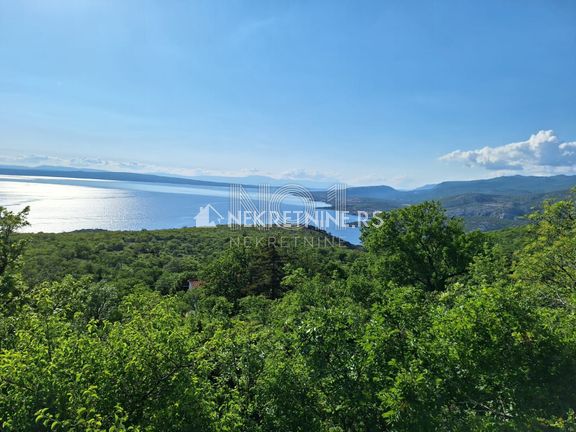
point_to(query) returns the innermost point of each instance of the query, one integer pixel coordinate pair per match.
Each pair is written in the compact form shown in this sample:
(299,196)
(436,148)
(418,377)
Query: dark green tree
(266,272)
(420,245)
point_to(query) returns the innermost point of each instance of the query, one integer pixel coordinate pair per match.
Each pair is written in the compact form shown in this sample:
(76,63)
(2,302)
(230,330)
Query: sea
(69,204)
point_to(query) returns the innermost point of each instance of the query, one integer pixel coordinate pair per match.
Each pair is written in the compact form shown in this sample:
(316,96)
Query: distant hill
(484,204)
(261,180)
(104,175)
(87,173)
(378,192)
(508,185)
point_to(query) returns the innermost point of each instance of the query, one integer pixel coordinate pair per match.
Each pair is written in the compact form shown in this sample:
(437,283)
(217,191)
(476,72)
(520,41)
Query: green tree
(11,249)
(243,271)
(548,262)
(419,245)
(266,268)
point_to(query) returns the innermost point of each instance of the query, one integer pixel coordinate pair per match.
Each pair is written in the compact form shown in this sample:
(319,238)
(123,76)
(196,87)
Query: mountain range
(484,204)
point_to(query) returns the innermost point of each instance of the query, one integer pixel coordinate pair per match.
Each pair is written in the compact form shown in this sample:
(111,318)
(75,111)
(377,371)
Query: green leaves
(419,245)
(11,249)
(431,329)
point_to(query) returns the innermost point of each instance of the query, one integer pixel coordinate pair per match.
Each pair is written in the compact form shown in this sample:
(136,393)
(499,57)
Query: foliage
(10,251)
(420,245)
(166,259)
(306,339)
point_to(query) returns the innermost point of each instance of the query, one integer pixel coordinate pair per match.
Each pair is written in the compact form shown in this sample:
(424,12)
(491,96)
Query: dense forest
(426,327)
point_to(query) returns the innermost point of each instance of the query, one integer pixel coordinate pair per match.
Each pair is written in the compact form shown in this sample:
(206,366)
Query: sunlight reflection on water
(59,205)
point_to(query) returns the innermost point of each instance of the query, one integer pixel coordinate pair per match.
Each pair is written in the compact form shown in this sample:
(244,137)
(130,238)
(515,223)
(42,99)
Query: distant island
(104,175)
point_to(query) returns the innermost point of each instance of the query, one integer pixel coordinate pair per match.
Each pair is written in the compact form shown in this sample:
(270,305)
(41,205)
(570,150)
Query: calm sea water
(62,204)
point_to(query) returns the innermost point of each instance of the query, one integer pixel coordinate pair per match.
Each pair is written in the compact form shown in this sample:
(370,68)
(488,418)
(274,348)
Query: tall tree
(10,251)
(420,245)
(10,247)
(548,261)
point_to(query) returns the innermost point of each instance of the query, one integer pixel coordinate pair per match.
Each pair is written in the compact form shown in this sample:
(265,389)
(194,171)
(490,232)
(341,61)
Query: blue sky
(396,92)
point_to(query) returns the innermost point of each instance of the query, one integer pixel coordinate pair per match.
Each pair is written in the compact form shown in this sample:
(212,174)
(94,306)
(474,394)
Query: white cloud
(36,160)
(304,174)
(542,153)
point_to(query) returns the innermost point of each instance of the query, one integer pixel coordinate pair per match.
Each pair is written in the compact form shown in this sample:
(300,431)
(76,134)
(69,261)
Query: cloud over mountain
(543,152)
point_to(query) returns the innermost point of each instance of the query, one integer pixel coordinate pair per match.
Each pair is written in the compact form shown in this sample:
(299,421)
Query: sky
(368,92)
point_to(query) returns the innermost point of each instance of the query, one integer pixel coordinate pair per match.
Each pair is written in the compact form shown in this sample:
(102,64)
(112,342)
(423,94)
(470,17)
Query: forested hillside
(428,327)
(165,259)
(487,205)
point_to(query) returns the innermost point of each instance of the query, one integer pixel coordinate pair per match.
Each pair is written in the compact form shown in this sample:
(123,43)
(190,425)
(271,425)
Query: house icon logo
(208,216)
